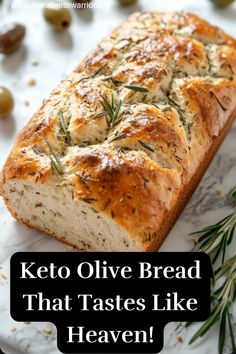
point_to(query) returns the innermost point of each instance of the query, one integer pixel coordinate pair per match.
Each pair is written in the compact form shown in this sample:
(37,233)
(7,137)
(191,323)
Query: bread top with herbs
(129,127)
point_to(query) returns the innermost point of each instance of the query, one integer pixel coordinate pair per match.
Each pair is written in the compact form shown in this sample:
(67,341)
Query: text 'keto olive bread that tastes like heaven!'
(112,156)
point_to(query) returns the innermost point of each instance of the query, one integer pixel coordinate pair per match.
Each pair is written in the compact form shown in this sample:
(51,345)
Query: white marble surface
(57,54)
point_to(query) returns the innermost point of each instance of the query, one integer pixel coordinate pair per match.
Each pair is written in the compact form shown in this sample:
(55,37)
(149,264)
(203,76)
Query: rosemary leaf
(106,105)
(207,325)
(116,112)
(83,180)
(223,318)
(146,146)
(214,239)
(57,164)
(100,115)
(64,126)
(112,109)
(136,88)
(233,194)
(118,137)
(223,299)
(84,78)
(62,121)
(229,316)
(106,204)
(99,70)
(89,200)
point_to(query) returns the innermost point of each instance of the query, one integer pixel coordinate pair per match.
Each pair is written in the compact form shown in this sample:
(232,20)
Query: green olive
(127,2)
(222,2)
(6,102)
(11,37)
(59,18)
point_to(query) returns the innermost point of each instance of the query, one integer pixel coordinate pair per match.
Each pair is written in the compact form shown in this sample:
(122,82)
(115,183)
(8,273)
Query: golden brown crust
(136,153)
(118,184)
(189,188)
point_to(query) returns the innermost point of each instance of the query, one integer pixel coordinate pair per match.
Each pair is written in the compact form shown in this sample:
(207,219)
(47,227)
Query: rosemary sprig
(214,239)
(136,88)
(56,164)
(64,126)
(112,109)
(222,298)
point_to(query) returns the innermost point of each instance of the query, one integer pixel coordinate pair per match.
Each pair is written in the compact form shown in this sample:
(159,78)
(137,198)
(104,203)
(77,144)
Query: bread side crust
(190,187)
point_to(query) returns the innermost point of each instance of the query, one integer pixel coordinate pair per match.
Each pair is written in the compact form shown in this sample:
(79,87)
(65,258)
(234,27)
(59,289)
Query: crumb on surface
(27,103)
(194,221)
(47,330)
(220,192)
(35,63)
(180,339)
(2,274)
(27,323)
(32,82)
(13,329)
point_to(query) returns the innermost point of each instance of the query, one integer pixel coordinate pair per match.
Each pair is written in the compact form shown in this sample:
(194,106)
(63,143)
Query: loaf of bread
(112,156)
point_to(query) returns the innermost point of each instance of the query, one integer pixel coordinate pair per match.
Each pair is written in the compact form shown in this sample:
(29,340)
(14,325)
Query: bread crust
(190,187)
(175,104)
